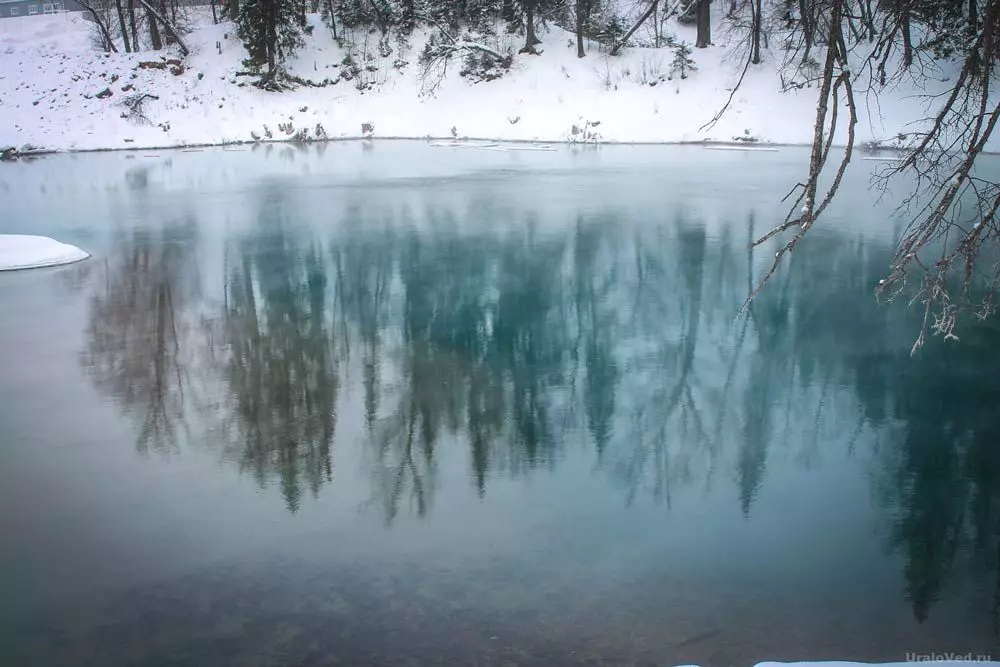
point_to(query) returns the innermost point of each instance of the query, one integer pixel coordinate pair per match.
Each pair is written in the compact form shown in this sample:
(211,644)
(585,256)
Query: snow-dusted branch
(105,34)
(642,19)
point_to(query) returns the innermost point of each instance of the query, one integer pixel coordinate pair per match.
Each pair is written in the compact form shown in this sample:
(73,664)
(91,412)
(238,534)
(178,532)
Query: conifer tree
(271,31)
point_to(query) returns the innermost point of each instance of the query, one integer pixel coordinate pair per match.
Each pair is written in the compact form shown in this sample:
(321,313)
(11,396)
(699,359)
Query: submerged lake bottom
(404,404)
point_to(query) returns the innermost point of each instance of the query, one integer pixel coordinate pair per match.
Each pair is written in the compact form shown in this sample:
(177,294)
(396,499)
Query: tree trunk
(121,24)
(161,10)
(131,21)
(215,17)
(171,29)
(907,39)
(109,44)
(807,28)
(581,18)
(507,11)
(757,11)
(333,18)
(642,19)
(530,40)
(271,43)
(154,31)
(868,16)
(656,25)
(704,37)
(232,9)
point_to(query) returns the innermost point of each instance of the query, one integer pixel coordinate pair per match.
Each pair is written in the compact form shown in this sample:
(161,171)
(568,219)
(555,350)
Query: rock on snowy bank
(29,252)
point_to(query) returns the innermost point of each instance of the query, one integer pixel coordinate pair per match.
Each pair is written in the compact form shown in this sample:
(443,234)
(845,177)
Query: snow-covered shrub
(350,68)
(585,133)
(485,57)
(134,106)
(651,71)
(478,66)
(610,76)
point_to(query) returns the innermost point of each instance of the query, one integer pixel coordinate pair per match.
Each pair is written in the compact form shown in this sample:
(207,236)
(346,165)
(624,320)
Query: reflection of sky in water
(468,400)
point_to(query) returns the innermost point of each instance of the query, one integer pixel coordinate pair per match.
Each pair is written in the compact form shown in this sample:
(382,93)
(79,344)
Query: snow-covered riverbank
(58,93)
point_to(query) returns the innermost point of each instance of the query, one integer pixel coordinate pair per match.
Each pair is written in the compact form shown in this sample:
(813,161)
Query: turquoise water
(394,404)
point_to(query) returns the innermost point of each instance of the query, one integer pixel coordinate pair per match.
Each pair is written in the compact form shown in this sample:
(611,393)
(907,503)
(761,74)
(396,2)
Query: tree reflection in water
(281,368)
(525,344)
(139,330)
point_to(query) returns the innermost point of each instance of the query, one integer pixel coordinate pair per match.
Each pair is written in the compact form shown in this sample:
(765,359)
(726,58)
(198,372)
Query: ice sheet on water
(21,251)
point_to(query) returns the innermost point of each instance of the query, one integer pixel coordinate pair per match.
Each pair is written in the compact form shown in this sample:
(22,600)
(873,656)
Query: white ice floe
(19,251)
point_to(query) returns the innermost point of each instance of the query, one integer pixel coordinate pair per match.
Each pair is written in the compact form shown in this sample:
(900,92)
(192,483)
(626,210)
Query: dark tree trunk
(907,39)
(154,31)
(868,16)
(507,11)
(215,16)
(807,28)
(704,37)
(581,18)
(757,11)
(121,24)
(333,18)
(530,40)
(272,39)
(162,8)
(109,44)
(656,25)
(131,21)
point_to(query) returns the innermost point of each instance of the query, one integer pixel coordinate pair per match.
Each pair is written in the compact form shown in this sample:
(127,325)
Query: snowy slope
(50,77)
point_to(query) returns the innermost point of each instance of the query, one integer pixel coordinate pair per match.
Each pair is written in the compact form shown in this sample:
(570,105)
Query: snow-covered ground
(22,251)
(51,75)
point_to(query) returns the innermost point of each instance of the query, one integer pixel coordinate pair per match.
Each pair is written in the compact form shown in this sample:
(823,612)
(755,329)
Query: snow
(50,76)
(19,251)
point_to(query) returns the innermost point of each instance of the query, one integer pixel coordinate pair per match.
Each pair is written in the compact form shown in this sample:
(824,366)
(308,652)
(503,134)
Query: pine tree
(271,32)
(682,63)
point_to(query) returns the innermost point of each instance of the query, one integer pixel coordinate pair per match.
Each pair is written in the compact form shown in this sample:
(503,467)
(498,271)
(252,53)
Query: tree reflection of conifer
(281,370)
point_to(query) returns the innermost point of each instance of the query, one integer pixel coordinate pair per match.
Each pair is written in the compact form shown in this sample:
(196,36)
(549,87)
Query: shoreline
(11,154)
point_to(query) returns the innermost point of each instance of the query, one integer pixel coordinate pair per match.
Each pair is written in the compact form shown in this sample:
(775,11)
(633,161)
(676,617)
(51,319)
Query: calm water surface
(406,405)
